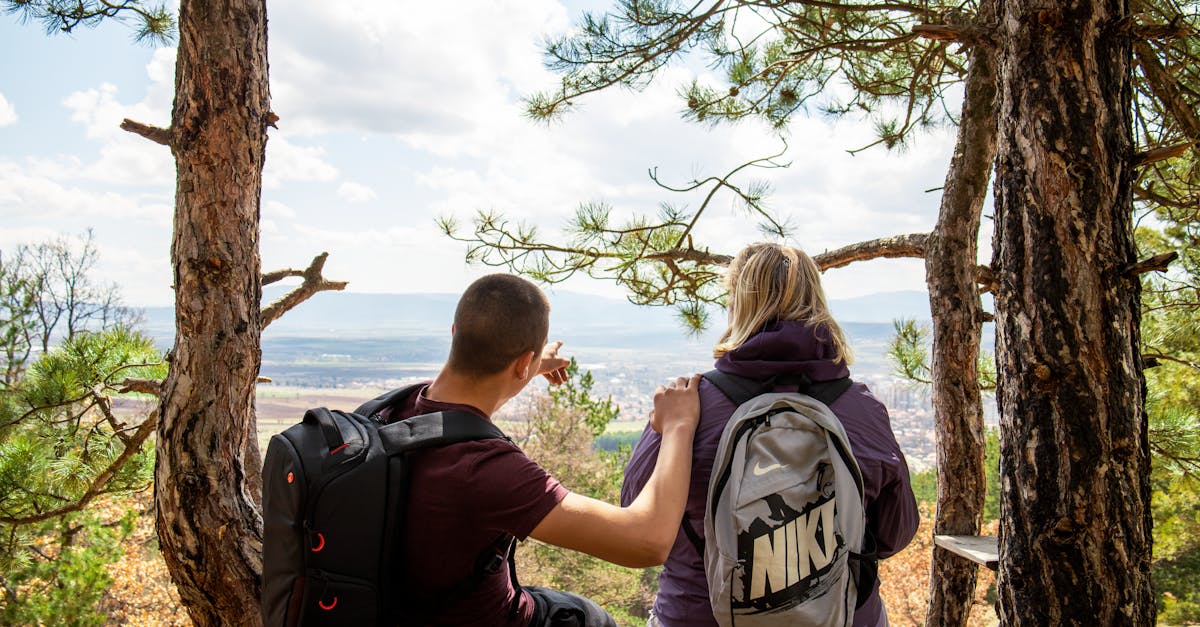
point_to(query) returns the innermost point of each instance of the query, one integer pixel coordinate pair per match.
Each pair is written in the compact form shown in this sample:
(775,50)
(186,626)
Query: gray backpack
(785,526)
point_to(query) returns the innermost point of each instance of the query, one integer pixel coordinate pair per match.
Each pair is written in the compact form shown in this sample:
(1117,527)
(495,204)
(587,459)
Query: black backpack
(335,488)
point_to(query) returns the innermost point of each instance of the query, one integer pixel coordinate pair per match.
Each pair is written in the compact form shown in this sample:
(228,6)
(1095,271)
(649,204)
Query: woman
(779,324)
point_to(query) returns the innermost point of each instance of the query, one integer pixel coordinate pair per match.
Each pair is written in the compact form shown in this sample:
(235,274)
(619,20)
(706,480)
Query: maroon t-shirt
(462,498)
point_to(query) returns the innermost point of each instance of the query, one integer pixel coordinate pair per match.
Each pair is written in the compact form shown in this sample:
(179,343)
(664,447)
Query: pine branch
(96,488)
(313,283)
(1162,31)
(911,245)
(1166,88)
(1142,193)
(106,409)
(640,60)
(34,410)
(692,255)
(156,25)
(1156,357)
(1161,153)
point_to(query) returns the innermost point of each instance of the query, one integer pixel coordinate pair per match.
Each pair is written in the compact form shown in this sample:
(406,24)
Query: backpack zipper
(745,430)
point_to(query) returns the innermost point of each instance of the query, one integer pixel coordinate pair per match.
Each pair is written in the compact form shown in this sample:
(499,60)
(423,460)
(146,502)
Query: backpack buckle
(495,558)
(494,563)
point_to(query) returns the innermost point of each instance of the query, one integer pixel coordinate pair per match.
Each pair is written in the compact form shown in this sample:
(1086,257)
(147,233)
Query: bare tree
(50,294)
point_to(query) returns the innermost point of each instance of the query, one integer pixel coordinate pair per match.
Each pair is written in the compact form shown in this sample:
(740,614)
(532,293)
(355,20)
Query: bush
(560,435)
(61,447)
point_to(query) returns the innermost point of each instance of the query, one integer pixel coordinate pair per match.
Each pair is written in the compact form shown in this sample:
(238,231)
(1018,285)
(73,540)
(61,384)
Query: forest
(1076,140)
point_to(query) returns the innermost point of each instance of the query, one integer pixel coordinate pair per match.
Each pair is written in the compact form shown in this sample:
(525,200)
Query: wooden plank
(983,550)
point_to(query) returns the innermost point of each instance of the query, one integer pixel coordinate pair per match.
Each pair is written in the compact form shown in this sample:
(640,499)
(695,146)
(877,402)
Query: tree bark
(207,469)
(950,270)
(1075,519)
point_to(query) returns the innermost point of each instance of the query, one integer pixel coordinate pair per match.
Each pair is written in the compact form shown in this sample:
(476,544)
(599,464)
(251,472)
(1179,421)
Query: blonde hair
(772,282)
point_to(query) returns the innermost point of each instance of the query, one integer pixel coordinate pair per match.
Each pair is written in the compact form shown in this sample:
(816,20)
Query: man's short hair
(499,317)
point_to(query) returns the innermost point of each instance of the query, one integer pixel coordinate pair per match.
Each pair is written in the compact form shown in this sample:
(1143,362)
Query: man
(466,496)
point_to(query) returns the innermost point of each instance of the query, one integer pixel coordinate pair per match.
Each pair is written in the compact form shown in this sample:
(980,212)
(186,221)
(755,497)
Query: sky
(400,112)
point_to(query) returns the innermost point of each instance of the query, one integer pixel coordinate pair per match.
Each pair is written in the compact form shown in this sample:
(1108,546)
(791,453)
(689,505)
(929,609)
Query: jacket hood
(785,347)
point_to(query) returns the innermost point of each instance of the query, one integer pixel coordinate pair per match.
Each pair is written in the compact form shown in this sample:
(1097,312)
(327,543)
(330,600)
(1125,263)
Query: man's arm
(641,534)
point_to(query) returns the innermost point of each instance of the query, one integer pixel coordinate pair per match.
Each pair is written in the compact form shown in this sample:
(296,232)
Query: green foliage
(61,447)
(151,23)
(991,466)
(561,436)
(1175,583)
(61,443)
(61,577)
(909,351)
(924,483)
(64,443)
(776,59)
(1175,503)
(1171,345)
(613,442)
(576,393)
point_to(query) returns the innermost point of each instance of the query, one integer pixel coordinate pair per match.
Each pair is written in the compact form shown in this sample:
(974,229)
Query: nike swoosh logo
(762,470)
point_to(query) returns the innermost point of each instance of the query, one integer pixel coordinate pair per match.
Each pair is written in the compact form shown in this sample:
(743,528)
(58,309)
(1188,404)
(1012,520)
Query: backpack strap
(864,567)
(441,429)
(692,536)
(438,429)
(737,389)
(372,407)
(740,389)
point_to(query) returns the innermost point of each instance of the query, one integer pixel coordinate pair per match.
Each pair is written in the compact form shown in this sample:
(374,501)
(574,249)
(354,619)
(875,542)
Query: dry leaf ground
(142,592)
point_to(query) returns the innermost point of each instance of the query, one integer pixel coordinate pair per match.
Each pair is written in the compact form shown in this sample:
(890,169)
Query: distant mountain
(582,319)
(882,307)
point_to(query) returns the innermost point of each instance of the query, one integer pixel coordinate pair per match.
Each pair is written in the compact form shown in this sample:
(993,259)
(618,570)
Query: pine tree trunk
(950,263)
(209,525)
(1075,517)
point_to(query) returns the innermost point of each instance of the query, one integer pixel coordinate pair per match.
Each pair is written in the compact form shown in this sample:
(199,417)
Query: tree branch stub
(1161,153)
(964,34)
(1157,263)
(141,386)
(156,134)
(313,282)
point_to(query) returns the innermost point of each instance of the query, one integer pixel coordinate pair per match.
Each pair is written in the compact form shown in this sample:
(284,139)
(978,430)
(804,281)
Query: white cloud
(276,209)
(434,89)
(8,114)
(27,193)
(356,192)
(287,161)
(142,273)
(406,67)
(376,258)
(124,157)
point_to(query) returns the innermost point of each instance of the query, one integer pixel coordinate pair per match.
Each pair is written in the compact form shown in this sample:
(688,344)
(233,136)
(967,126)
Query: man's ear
(522,367)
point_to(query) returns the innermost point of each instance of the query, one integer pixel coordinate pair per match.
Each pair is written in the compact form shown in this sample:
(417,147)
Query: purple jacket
(785,347)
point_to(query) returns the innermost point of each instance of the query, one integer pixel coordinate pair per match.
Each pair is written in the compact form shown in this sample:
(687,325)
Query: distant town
(356,345)
(629,377)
